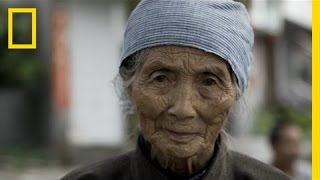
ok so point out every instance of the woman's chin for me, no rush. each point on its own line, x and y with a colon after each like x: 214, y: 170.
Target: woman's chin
x: 179, y: 150
x: 183, y: 151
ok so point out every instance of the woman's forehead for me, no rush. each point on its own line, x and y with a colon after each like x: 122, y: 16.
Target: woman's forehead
x: 175, y: 55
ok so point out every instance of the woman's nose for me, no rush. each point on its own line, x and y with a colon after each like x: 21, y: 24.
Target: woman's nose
x: 182, y: 106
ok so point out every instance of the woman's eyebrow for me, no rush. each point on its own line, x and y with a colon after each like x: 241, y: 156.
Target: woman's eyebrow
x: 218, y: 71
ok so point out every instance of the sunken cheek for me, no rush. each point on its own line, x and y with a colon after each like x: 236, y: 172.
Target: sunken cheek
x: 150, y: 100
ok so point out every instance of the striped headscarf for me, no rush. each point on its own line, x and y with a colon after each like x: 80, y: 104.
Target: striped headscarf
x: 221, y: 27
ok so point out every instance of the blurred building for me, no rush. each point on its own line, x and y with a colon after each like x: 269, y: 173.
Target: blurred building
x: 86, y: 43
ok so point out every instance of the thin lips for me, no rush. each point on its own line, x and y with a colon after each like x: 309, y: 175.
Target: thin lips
x: 181, y: 133
x: 180, y: 137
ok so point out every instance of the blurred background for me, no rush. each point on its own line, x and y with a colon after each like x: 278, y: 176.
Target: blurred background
x: 59, y: 108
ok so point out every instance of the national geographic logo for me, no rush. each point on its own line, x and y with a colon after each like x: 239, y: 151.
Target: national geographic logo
x: 33, y: 12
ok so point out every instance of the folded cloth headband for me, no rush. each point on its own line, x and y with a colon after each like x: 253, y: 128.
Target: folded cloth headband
x: 220, y: 27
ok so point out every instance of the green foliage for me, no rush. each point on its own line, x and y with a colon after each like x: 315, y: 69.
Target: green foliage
x: 247, y: 3
x: 24, y: 156
x: 18, y: 67
x: 266, y: 119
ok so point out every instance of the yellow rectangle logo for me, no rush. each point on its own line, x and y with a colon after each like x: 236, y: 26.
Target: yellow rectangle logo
x: 33, y: 12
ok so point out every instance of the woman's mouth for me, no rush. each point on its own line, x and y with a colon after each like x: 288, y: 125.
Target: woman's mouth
x: 180, y: 137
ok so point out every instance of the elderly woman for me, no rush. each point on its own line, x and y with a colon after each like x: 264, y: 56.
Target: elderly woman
x: 185, y: 63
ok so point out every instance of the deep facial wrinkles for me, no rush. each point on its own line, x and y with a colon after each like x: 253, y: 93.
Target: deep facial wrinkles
x: 181, y: 115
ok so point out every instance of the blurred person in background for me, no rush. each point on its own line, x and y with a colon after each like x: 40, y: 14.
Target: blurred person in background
x: 286, y: 140
x: 184, y: 65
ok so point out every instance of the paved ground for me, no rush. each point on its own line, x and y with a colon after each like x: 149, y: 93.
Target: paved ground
x: 48, y: 173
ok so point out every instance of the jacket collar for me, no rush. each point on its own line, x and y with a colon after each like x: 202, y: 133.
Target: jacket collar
x: 143, y: 168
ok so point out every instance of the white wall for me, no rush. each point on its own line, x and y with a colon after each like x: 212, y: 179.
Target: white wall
x: 298, y: 11
x: 268, y: 15
x: 95, y: 32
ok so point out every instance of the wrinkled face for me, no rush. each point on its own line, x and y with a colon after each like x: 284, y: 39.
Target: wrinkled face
x: 182, y: 96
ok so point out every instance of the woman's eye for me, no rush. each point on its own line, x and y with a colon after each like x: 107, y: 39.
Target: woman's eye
x: 160, y: 78
x: 209, y: 82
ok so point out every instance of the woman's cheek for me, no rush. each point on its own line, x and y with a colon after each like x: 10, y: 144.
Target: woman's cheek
x: 214, y: 111
x: 214, y: 130
x: 148, y: 101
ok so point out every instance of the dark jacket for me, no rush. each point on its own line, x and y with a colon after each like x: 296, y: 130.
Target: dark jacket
x: 135, y: 165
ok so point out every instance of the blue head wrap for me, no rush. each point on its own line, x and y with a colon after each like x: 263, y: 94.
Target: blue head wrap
x: 221, y: 27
